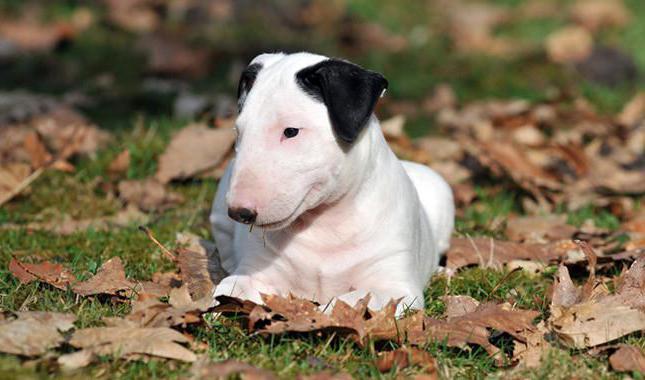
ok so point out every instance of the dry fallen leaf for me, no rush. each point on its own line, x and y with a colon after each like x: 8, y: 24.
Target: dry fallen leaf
x: 457, y: 306
x: 628, y: 359
x: 126, y: 341
x: 14, y: 177
x: 180, y: 310
x: 364, y: 36
x: 281, y: 315
x: 64, y: 131
x: 120, y: 164
x: 471, y: 27
x: 31, y: 36
x: 595, y: 14
x: 474, y: 327
x: 136, y: 16
x: 32, y: 333
x: 193, y: 150
x: 529, y: 353
x: 199, y: 264
x: 148, y: 194
x: 487, y: 252
x: 505, y: 157
x: 68, y: 133
x: 443, y: 96
x: 406, y: 357
x: 569, y: 45
x: 326, y: 375
x: 36, y: 149
x: 393, y: 127
x: 590, y: 316
x: 55, y: 275
x: 123, y: 218
x: 109, y: 279
x: 539, y: 228
x: 203, y: 369
x: 633, y: 112
x: 171, y: 56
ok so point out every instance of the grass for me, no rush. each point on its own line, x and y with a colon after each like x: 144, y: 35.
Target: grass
x: 141, y: 123
x: 84, y: 252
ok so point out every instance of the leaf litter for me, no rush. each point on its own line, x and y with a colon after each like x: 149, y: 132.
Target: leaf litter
x: 590, y: 315
x: 32, y: 333
x: 553, y: 154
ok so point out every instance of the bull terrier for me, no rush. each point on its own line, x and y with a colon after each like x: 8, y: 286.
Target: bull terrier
x: 315, y: 203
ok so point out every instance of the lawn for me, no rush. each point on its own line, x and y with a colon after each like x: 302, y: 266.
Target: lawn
x: 104, y: 67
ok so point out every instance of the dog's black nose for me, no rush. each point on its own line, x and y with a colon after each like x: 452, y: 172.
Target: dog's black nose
x: 242, y: 215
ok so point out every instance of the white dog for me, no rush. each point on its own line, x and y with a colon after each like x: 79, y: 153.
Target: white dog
x: 330, y: 212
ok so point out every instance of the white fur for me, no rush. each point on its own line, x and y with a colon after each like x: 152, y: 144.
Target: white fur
x: 332, y: 222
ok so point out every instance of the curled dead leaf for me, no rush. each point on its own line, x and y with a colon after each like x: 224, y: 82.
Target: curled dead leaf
x: 530, y: 352
x: 204, y: 369
x: 148, y: 194
x: 55, y: 275
x: 180, y: 310
x: 488, y: 252
x: 14, y: 178
x: 199, y: 264
x: 193, y: 150
x: 109, y: 279
x: 457, y: 306
x: 590, y: 316
x: 595, y: 14
x: 406, y: 357
x: 31, y: 36
x: 32, y: 333
x: 539, y: 228
x: 569, y: 44
x: 123, y: 218
x: 124, y: 342
x: 628, y: 359
x: 120, y: 164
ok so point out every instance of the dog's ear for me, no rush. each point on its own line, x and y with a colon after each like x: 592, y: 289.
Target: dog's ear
x: 246, y: 82
x: 348, y: 91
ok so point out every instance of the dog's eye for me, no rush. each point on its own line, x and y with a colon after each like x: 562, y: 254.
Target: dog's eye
x: 290, y: 132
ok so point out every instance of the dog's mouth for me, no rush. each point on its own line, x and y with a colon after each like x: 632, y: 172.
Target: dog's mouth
x: 275, y: 225
x: 285, y: 222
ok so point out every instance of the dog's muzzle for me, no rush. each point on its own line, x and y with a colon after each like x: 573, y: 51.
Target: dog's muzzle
x: 242, y: 215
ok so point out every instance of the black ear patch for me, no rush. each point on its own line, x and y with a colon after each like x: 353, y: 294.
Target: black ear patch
x: 349, y: 92
x: 246, y: 82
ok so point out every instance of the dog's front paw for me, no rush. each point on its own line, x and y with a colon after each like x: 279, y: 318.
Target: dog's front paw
x: 238, y: 286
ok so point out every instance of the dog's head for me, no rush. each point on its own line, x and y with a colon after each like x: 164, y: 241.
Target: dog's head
x: 299, y: 117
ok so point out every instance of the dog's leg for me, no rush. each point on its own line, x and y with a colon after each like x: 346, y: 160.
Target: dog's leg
x: 243, y: 287
x: 223, y: 227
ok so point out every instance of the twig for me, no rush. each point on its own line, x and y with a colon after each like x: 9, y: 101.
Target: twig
x: 503, y: 280
x: 479, y: 254
x: 21, y: 186
x: 46, y: 165
x: 165, y: 250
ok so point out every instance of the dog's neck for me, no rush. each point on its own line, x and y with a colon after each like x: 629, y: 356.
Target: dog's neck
x: 340, y: 217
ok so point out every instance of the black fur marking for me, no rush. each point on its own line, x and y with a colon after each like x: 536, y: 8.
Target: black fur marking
x: 246, y: 82
x: 348, y: 91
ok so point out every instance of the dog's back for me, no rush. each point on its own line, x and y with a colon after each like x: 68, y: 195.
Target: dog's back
x: 437, y: 200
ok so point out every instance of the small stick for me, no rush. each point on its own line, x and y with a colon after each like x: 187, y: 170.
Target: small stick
x: 165, y: 250
x: 46, y: 165
x: 503, y: 280
x: 21, y: 186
